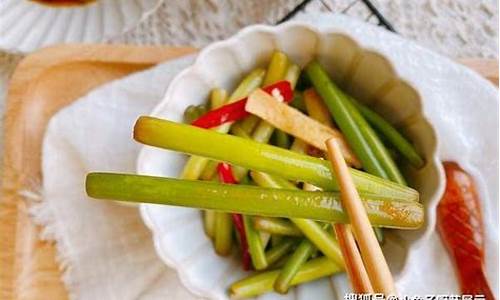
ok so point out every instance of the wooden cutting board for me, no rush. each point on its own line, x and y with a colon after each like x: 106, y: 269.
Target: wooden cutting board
x: 43, y: 83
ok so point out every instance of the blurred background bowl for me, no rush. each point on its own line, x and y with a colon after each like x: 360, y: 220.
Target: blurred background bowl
x: 29, y: 25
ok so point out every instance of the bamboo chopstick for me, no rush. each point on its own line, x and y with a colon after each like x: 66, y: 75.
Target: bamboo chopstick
x: 371, y: 253
x: 360, y: 282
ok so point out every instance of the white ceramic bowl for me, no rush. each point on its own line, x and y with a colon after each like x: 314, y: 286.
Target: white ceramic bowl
x: 356, y: 65
x: 26, y: 25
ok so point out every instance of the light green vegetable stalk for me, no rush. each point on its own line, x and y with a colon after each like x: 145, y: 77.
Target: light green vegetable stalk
x: 218, y: 98
x: 282, y: 139
x: 325, y: 242
x: 196, y: 167
x: 392, y: 135
x: 276, y: 226
x: 298, y: 101
x: 317, y: 112
x: 238, y: 130
x: 305, y: 250
x: 193, y: 112
x: 263, y: 132
x: 275, y: 72
x: 257, y: 156
x: 250, y: 200
x: 210, y: 171
x: 249, y: 123
x: 312, y: 230
x: 195, y: 164
x: 223, y: 233
x: 279, y: 250
x: 261, y: 283
x: 292, y: 266
x: 339, y: 107
x: 254, y: 244
x: 209, y: 223
x: 361, y: 137
x: 281, y: 262
x: 391, y: 169
x: 292, y: 75
x: 383, y: 156
x: 277, y: 69
x: 248, y: 85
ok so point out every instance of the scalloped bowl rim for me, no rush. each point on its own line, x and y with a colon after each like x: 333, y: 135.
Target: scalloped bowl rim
x: 430, y: 207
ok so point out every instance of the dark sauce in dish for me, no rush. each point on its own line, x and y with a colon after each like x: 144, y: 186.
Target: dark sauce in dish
x: 59, y: 3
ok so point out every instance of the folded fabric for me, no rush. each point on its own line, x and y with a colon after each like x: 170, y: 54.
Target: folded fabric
x: 106, y: 249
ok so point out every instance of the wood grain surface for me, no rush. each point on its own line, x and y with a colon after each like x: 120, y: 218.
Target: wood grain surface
x: 43, y: 83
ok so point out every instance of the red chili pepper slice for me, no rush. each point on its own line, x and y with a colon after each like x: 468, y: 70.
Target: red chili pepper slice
x: 225, y: 173
x: 236, y: 111
x: 245, y: 254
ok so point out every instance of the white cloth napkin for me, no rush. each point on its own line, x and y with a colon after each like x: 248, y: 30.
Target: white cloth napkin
x: 106, y: 249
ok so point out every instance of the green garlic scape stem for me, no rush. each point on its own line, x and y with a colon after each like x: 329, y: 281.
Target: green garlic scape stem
x: 261, y: 283
x: 248, y: 124
x: 257, y: 156
x: 254, y: 244
x: 321, y: 238
x: 276, y: 226
x: 393, y: 136
x: 238, y: 130
x: 252, y: 81
x: 191, y: 113
x: 282, y: 139
x: 195, y: 165
x: 218, y: 98
x: 215, y: 224
x: 281, y: 262
x: 279, y: 250
x: 223, y: 228
x: 223, y: 233
x: 378, y: 148
x: 338, y: 104
x: 325, y: 242
x: 209, y: 223
x: 251, y: 200
x: 298, y: 101
x: 292, y: 266
x: 277, y: 68
x: 275, y: 72
x: 209, y: 171
x: 292, y: 75
x: 324, y: 116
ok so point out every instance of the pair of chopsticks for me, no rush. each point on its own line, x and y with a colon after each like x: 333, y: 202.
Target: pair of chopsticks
x: 366, y: 268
